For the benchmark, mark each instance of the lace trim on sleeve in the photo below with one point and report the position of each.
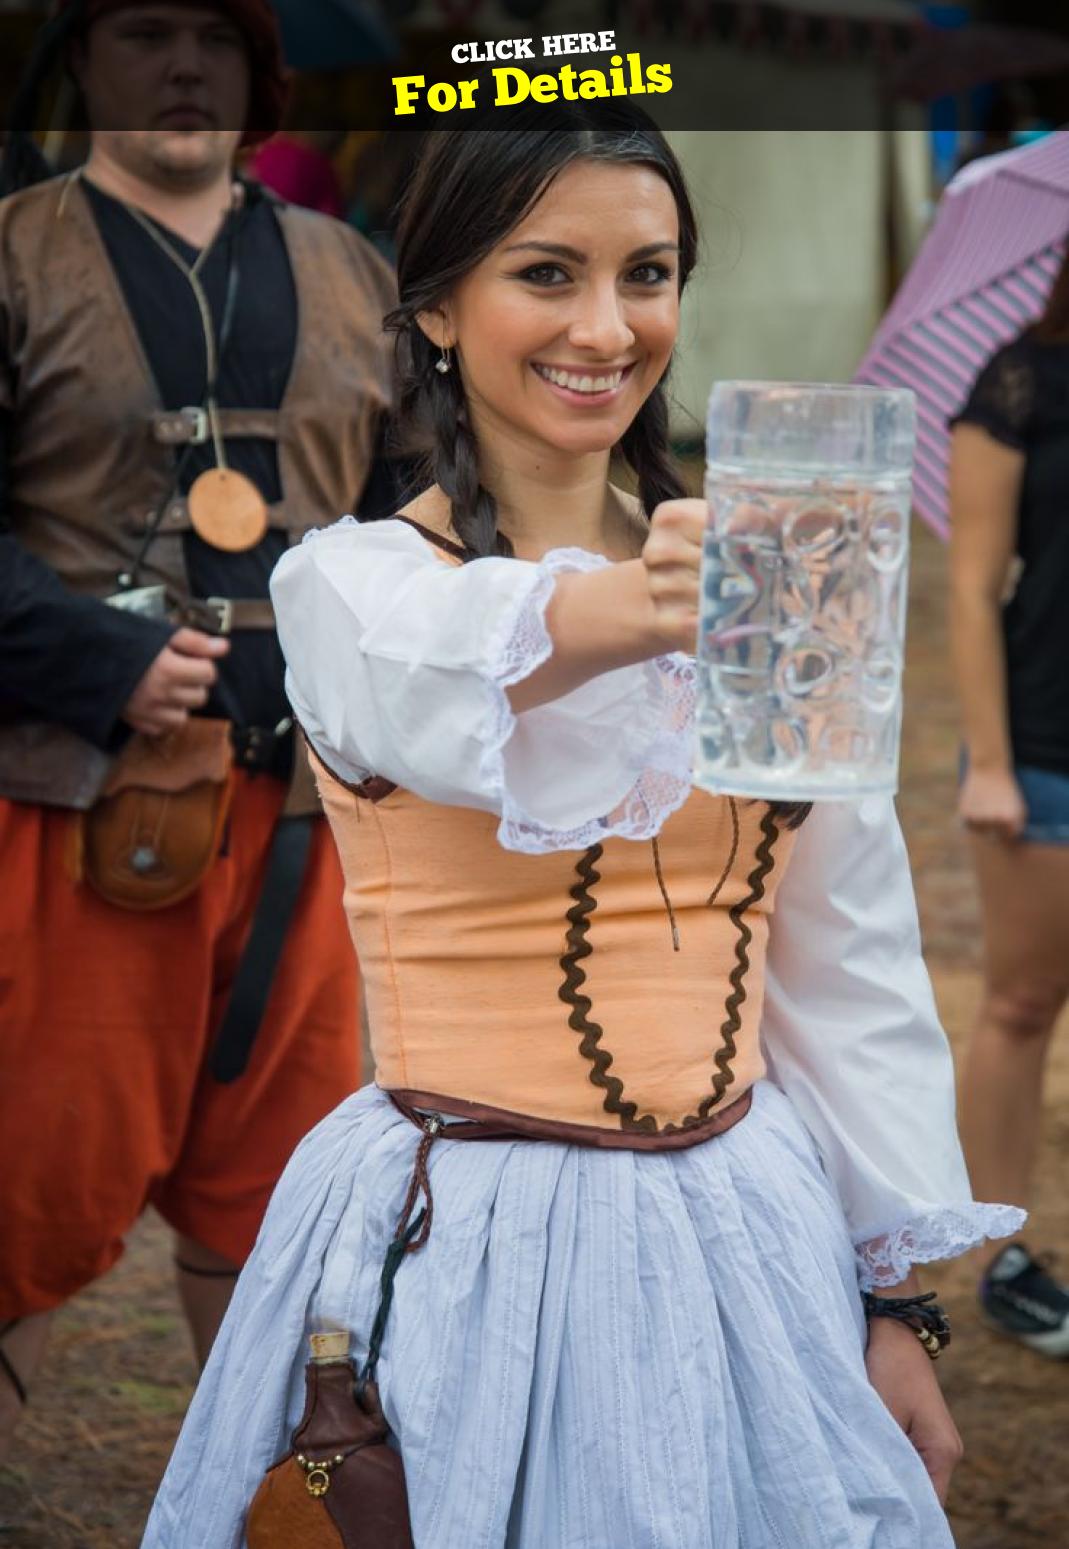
(941, 1233)
(657, 744)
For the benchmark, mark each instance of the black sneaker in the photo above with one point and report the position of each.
(1021, 1299)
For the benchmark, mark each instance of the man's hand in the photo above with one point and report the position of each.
(179, 681)
(904, 1377)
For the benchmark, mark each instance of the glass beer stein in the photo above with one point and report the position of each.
(803, 601)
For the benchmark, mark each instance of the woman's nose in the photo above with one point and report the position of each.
(601, 324)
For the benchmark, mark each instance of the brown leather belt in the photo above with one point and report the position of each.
(192, 427)
(475, 1121)
(228, 615)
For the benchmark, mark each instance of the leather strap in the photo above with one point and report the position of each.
(228, 615)
(190, 427)
(17, 1384)
(476, 1121)
(264, 749)
(436, 538)
(286, 866)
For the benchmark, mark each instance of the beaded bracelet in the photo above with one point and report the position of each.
(922, 1314)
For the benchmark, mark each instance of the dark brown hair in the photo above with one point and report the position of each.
(468, 190)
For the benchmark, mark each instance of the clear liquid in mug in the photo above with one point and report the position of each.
(802, 629)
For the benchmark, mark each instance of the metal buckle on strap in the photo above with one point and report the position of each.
(181, 427)
(199, 427)
(223, 608)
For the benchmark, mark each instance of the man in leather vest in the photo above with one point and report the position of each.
(191, 376)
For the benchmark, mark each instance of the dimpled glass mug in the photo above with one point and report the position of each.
(803, 599)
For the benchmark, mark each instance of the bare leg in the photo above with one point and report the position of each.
(205, 1284)
(22, 1344)
(1024, 893)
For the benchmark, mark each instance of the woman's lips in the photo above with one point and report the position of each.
(585, 385)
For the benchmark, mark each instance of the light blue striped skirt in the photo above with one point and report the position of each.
(595, 1349)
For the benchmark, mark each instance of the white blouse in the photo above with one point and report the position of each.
(398, 665)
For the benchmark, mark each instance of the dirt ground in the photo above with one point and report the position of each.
(108, 1404)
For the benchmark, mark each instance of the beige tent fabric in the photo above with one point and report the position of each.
(797, 257)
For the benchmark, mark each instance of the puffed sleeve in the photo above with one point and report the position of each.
(852, 1036)
(398, 664)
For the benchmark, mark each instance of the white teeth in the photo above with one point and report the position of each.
(581, 384)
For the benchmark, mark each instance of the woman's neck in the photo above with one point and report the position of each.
(538, 513)
(553, 500)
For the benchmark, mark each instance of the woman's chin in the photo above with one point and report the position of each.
(573, 440)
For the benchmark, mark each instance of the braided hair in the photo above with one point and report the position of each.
(466, 193)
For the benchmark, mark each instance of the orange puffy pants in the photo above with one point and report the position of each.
(107, 1020)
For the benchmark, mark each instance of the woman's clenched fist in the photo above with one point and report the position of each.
(672, 556)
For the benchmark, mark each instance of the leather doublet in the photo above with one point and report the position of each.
(88, 466)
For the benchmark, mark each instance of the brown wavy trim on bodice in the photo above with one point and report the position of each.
(737, 979)
(592, 1047)
(483, 1122)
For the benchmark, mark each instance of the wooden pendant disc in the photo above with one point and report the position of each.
(227, 510)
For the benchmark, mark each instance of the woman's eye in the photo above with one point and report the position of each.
(544, 274)
(650, 274)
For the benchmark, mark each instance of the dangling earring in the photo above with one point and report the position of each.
(445, 364)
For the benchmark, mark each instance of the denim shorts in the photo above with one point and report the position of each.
(1046, 794)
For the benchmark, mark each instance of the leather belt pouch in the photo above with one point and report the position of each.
(154, 832)
(343, 1485)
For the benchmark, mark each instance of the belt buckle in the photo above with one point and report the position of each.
(199, 427)
(223, 608)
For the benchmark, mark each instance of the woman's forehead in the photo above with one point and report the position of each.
(612, 202)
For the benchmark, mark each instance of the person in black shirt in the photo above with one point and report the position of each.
(162, 325)
(1010, 625)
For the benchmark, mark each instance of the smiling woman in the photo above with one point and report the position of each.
(563, 329)
(692, 1036)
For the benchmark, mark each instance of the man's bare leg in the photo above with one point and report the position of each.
(206, 1283)
(22, 1344)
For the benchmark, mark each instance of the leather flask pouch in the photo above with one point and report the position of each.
(153, 834)
(342, 1486)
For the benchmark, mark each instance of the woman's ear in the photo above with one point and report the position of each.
(438, 327)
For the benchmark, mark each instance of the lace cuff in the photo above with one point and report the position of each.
(943, 1232)
(626, 735)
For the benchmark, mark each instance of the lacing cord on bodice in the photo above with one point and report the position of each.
(658, 871)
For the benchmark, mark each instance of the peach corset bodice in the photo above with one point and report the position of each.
(618, 987)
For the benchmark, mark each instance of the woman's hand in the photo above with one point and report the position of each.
(904, 1377)
(672, 556)
(991, 803)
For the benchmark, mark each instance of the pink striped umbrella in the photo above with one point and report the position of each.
(983, 274)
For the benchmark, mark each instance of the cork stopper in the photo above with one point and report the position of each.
(329, 1346)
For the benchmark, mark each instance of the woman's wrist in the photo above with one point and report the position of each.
(917, 1313)
(997, 762)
